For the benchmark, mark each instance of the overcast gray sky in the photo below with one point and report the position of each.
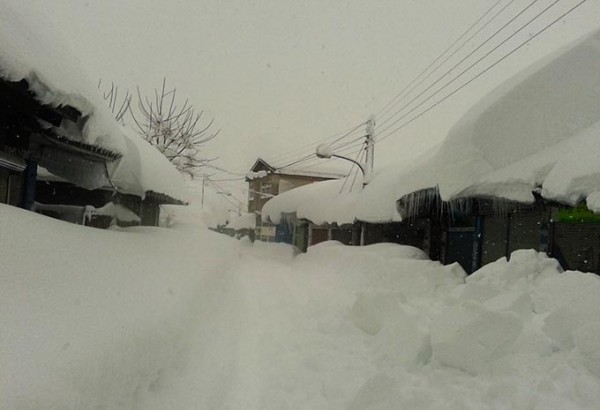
(278, 74)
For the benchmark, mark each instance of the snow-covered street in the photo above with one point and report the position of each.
(299, 205)
(186, 318)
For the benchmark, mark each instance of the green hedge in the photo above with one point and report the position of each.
(579, 214)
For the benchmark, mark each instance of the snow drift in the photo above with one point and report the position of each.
(184, 318)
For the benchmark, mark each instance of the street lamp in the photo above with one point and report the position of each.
(325, 151)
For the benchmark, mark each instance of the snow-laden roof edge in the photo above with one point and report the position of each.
(311, 172)
(31, 52)
(145, 170)
(532, 131)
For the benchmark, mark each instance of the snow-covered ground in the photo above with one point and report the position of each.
(184, 318)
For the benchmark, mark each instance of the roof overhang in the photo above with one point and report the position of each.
(12, 162)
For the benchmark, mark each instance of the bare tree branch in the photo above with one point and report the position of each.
(174, 129)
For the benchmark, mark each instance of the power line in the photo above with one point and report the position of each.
(224, 170)
(312, 158)
(485, 70)
(401, 94)
(363, 158)
(438, 66)
(306, 147)
(229, 179)
(346, 178)
(310, 164)
(310, 148)
(311, 155)
(463, 60)
(219, 190)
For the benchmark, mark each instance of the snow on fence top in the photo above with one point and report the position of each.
(56, 78)
(540, 130)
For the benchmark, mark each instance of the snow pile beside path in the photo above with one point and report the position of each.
(102, 319)
(516, 334)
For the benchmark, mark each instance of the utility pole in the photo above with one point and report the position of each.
(370, 148)
(369, 162)
(203, 183)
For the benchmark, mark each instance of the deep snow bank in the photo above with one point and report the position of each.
(182, 318)
(101, 319)
(516, 334)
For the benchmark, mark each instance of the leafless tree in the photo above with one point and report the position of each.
(174, 129)
(119, 109)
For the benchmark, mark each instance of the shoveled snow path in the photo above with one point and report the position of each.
(288, 356)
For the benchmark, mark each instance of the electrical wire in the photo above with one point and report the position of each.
(311, 155)
(363, 158)
(224, 170)
(229, 179)
(313, 158)
(403, 92)
(464, 59)
(311, 149)
(347, 177)
(219, 190)
(485, 70)
(311, 146)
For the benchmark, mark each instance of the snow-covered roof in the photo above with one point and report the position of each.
(31, 52)
(540, 129)
(145, 170)
(320, 202)
(312, 169)
(141, 171)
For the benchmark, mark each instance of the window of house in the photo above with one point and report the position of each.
(266, 187)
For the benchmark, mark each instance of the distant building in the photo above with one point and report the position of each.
(265, 182)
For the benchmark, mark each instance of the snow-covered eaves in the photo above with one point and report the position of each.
(31, 52)
(530, 132)
(145, 170)
(261, 168)
(320, 202)
(12, 162)
(539, 131)
(35, 62)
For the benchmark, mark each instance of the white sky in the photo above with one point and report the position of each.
(278, 74)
